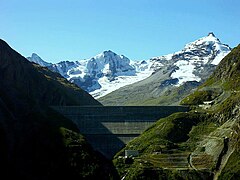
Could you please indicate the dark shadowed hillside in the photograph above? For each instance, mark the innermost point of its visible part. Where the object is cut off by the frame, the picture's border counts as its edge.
(29, 82)
(36, 142)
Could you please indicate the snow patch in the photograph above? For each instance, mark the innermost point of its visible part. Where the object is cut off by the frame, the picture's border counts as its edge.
(185, 72)
(108, 86)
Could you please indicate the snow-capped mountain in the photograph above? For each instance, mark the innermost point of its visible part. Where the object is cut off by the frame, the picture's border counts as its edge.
(102, 73)
(36, 59)
(194, 61)
(174, 75)
(108, 71)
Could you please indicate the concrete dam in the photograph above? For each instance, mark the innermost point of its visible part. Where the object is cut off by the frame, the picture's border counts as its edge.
(109, 128)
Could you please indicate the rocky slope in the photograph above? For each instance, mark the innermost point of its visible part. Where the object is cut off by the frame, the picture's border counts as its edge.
(172, 75)
(36, 142)
(201, 144)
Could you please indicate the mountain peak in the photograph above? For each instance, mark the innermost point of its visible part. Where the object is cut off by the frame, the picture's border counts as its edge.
(209, 38)
(36, 59)
(111, 53)
(211, 34)
(4, 45)
(104, 54)
(207, 50)
(35, 55)
(108, 51)
(2, 42)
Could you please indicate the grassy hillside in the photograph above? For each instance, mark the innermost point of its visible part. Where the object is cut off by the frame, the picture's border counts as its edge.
(201, 144)
(36, 142)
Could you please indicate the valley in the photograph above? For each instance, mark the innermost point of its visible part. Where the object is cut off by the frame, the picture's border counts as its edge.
(119, 90)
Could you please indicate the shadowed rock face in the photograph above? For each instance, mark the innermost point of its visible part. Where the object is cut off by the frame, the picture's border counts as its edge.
(37, 143)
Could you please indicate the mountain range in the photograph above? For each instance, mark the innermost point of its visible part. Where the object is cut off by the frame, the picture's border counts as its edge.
(175, 75)
(107, 72)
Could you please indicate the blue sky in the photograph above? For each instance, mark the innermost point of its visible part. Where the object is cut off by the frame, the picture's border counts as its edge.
(140, 29)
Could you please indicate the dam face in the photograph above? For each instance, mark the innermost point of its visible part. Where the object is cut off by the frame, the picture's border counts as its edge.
(109, 128)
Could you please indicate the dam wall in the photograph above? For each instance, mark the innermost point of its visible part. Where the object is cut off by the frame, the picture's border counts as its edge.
(109, 128)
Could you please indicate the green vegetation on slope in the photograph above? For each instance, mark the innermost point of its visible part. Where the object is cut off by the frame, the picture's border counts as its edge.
(232, 169)
(163, 149)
